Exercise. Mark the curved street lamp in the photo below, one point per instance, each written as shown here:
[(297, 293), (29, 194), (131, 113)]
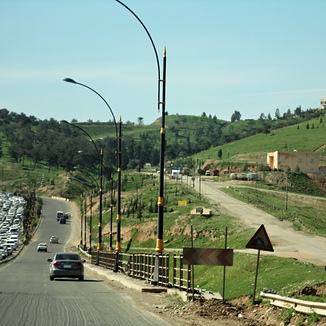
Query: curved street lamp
[(100, 154), (91, 213), (155, 52), (118, 153), (161, 202)]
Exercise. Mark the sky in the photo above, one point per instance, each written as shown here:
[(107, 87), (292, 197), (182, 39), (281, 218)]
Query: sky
[(253, 56)]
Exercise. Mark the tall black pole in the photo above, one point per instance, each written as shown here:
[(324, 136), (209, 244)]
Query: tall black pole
[(99, 246), (72, 81), (81, 223), (111, 216), (118, 242), (90, 226), (85, 206), (161, 202), (159, 242), (98, 152)]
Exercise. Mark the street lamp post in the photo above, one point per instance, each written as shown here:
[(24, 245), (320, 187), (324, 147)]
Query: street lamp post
[(90, 225), (85, 231), (159, 242), (161, 202), (111, 215), (118, 153), (100, 154)]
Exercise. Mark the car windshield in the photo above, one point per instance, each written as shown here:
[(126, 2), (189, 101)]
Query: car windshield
[(67, 257)]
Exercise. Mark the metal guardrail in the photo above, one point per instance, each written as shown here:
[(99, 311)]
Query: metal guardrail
[(307, 307), (141, 266)]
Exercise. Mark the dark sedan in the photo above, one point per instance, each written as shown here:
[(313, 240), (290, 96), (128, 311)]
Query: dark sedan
[(66, 265)]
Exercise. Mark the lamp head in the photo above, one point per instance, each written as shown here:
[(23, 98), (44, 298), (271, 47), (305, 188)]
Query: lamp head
[(69, 80)]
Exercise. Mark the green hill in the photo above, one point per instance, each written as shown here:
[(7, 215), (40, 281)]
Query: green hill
[(308, 135)]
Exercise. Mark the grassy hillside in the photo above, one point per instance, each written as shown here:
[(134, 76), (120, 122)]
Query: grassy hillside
[(178, 127), (139, 230), (274, 135), (255, 148)]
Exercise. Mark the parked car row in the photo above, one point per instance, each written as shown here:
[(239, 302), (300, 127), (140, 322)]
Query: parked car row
[(11, 223)]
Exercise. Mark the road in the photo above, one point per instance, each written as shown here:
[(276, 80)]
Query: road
[(28, 297), (286, 241)]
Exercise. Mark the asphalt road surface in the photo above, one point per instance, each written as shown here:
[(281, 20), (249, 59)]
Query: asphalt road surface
[(28, 297), (286, 241)]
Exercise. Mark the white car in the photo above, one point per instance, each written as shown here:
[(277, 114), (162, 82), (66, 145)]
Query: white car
[(12, 242), (42, 246), (54, 239)]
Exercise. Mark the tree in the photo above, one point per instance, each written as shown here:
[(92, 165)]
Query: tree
[(140, 121), (297, 110), (277, 114), (288, 114), (219, 153), (262, 116), (236, 116)]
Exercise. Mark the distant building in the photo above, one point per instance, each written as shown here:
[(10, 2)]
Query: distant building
[(323, 103), (306, 161), (201, 211)]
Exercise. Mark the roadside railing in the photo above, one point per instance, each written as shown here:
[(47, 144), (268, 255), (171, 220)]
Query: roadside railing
[(141, 266), (307, 307)]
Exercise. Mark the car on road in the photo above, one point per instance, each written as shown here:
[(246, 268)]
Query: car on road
[(62, 220), (66, 265), (54, 239), (42, 246), (59, 215)]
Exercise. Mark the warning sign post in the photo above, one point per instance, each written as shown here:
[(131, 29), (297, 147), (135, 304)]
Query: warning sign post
[(259, 241)]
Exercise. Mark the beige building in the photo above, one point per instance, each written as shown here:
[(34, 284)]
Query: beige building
[(306, 161), (323, 103)]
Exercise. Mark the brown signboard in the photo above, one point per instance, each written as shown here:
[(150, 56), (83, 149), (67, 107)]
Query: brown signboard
[(208, 256)]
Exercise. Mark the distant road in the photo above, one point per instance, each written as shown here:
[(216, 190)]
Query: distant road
[(286, 241)]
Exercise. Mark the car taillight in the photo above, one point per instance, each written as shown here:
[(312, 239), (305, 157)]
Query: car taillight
[(78, 264), (56, 264)]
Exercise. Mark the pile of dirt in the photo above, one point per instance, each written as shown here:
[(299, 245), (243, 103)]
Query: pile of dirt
[(240, 311)]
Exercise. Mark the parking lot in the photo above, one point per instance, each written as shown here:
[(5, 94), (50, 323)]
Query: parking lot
[(11, 224)]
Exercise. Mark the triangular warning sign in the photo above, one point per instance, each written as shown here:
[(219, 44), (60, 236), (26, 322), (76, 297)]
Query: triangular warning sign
[(260, 240)]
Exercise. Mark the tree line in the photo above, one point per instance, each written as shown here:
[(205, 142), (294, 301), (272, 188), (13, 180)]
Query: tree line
[(61, 145)]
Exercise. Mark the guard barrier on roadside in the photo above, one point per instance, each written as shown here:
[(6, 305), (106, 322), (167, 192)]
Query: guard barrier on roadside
[(307, 307), (141, 266)]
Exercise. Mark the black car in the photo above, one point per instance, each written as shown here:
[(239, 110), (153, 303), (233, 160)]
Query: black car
[(62, 220)]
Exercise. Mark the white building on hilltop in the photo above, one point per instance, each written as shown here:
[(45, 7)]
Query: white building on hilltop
[(323, 103)]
